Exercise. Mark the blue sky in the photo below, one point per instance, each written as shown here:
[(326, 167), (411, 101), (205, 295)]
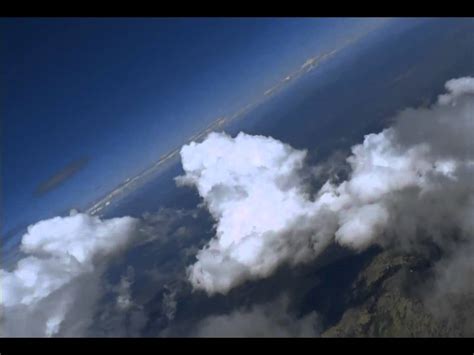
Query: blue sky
[(122, 92)]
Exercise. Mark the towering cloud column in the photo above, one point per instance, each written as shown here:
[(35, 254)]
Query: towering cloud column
[(252, 188)]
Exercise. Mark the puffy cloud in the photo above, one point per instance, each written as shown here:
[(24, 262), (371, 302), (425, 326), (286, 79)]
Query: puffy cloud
[(456, 88), (58, 277), (411, 176), (252, 188), (360, 225)]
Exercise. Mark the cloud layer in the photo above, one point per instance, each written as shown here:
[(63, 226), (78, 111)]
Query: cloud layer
[(57, 280), (415, 175), (267, 320)]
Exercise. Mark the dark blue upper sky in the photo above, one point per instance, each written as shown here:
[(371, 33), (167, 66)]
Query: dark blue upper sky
[(122, 92)]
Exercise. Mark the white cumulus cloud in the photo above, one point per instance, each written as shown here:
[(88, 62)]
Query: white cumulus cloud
[(252, 188), (59, 273)]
